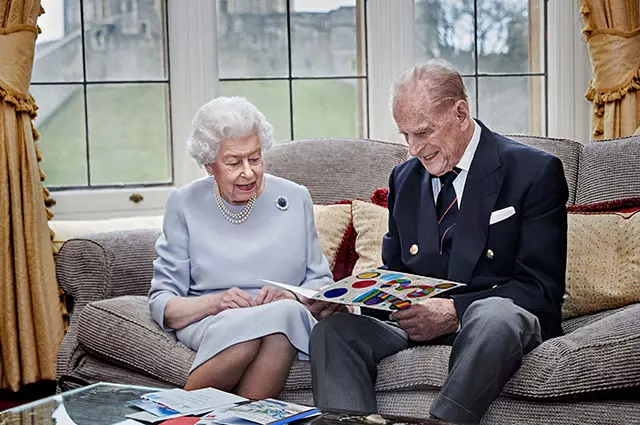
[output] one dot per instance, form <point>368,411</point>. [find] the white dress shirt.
<point>463,165</point>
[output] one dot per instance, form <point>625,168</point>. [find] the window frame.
<point>192,36</point>
<point>192,40</point>
<point>361,78</point>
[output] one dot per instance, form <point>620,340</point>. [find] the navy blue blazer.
<point>529,248</point>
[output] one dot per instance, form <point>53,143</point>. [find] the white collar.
<point>467,157</point>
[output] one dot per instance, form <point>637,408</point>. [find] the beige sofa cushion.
<point>370,223</point>
<point>603,262</point>
<point>331,224</point>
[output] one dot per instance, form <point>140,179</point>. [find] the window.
<point>302,63</point>
<point>101,81</point>
<point>117,98</point>
<point>499,46</point>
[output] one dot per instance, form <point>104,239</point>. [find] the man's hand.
<point>269,294</point>
<point>428,320</point>
<point>322,309</point>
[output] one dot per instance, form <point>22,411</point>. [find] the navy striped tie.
<point>447,212</point>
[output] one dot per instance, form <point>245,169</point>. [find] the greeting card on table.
<point>272,412</point>
<point>378,289</point>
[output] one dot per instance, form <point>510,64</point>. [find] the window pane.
<point>444,29</point>
<point>509,38</point>
<point>329,108</point>
<point>326,39</point>
<point>513,105</point>
<point>470,85</point>
<point>252,38</point>
<point>60,123</point>
<point>128,136</point>
<point>125,40</point>
<point>58,56</point>
<point>270,97</point>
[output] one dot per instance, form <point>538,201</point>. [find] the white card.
<point>305,292</point>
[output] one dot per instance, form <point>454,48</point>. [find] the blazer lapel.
<point>428,262</point>
<point>480,193</point>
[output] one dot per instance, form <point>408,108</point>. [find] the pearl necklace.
<point>235,218</point>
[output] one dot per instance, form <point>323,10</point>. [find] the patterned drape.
<point>31,326</point>
<point>612,30</point>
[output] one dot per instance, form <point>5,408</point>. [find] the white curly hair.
<point>226,118</point>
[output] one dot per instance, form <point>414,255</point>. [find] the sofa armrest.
<point>98,267</point>
<point>106,265</point>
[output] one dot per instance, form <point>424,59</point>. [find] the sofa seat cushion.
<point>597,356</point>
<point>121,330</point>
<point>601,355</point>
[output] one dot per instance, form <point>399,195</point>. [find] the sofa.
<point>591,375</point>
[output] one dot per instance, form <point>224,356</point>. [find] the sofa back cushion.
<point>336,169</point>
<point>609,169</point>
<point>568,151</point>
<point>370,222</point>
<point>603,262</point>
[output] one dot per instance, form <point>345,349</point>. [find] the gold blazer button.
<point>414,249</point>
<point>490,254</point>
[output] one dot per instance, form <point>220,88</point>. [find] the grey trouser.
<point>494,336</point>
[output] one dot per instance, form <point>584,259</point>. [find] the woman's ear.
<point>209,168</point>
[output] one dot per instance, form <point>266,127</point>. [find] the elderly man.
<point>472,206</point>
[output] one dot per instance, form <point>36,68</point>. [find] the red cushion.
<point>379,197</point>
<point>346,256</point>
<point>620,205</point>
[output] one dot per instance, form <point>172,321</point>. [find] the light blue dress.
<point>200,252</point>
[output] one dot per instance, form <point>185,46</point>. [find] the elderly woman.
<point>222,234</point>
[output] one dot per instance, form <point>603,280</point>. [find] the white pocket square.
<point>499,215</point>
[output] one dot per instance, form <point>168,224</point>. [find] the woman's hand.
<point>269,294</point>
<point>233,298</point>
<point>322,309</point>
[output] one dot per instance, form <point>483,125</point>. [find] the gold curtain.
<point>30,316</point>
<point>612,30</point>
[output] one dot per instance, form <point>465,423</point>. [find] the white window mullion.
<point>193,47</point>
<point>390,37</point>
<point>569,72</point>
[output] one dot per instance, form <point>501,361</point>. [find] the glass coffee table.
<point>97,404</point>
<point>106,404</point>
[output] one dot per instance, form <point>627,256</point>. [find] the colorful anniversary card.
<point>378,289</point>
<point>384,290</point>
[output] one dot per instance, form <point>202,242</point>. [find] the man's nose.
<point>415,146</point>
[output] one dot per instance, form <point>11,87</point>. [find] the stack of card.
<point>163,405</point>
<point>260,412</point>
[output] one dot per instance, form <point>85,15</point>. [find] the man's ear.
<point>461,108</point>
